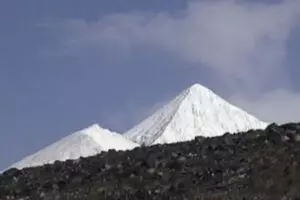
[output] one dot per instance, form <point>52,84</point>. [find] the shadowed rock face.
<point>258,164</point>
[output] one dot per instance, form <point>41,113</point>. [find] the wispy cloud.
<point>279,105</point>
<point>244,43</point>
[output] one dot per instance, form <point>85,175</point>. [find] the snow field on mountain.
<point>83,143</point>
<point>197,111</point>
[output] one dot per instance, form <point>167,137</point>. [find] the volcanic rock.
<point>257,164</point>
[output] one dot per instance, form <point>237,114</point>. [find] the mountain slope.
<point>86,142</point>
<point>197,111</point>
<point>253,165</point>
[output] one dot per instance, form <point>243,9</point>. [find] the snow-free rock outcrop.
<point>83,143</point>
<point>197,111</point>
<point>254,165</point>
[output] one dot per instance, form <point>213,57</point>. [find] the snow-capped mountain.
<point>197,111</point>
<point>85,142</point>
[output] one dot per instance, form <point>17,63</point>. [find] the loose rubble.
<point>258,164</point>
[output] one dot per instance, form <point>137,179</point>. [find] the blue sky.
<point>65,65</point>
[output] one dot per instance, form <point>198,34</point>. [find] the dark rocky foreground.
<point>258,164</point>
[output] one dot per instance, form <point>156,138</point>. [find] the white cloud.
<point>240,41</point>
<point>244,43</point>
<point>279,106</point>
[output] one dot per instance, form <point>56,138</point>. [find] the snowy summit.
<point>86,142</point>
<point>197,111</point>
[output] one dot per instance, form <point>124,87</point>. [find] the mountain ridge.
<point>260,164</point>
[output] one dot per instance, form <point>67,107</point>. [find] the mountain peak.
<point>196,87</point>
<point>197,111</point>
<point>198,92</point>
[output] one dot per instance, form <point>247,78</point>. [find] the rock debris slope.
<point>197,111</point>
<point>258,164</point>
<point>86,142</point>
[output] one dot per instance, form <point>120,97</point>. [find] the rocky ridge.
<point>257,164</point>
